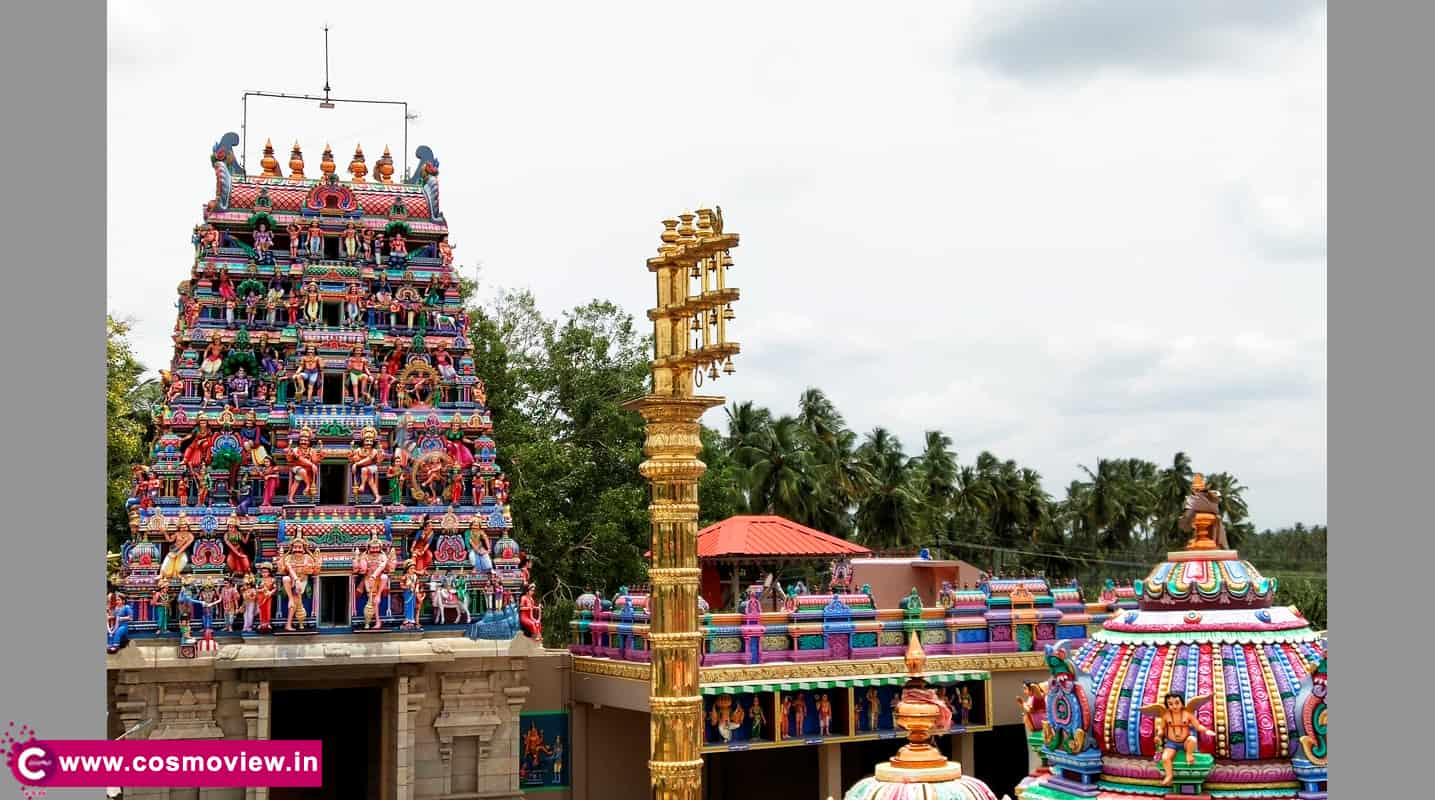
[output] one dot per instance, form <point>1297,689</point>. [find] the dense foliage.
<point>555,387</point>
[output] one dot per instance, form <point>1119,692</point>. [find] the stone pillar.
<point>410,695</point>
<point>829,770</point>
<point>964,749</point>
<point>255,705</point>
<point>578,752</point>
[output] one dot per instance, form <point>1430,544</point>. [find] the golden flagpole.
<point>694,305</point>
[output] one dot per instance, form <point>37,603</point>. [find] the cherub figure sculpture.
<point>1176,727</point>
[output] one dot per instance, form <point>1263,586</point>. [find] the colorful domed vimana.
<point>1209,689</point>
<point>323,460</point>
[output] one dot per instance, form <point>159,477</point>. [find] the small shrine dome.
<point>1208,643</point>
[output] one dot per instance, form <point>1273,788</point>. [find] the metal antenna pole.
<point>326,103</point>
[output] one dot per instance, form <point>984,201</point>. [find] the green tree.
<point>128,427</point>
<point>887,512</point>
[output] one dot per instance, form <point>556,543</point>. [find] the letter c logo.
<point>24,759</point>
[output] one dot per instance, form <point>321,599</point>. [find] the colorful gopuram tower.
<point>324,460</point>
<point>1207,662</point>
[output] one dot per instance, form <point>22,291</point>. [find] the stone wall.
<point>449,719</point>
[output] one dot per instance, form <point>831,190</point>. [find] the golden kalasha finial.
<point>685,229</point>
<point>326,162</point>
<point>1198,482</point>
<point>296,163</point>
<point>384,167</point>
<point>269,162</point>
<point>356,167</point>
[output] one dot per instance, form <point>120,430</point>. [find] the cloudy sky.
<point>1058,231</point>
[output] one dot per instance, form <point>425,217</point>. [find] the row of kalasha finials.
<point>358,170</point>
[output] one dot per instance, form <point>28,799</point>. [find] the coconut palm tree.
<point>779,475</point>
<point>887,511</point>
<point>934,483</point>
<point>1173,485</point>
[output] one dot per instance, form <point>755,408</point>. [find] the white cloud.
<point>932,242</point>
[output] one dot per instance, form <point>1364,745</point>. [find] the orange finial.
<point>269,162</point>
<point>384,168</point>
<point>326,162</point>
<point>357,167</point>
<point>296,163</point>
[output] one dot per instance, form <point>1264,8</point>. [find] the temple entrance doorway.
<point>333,484</point>
<point>348,722</point>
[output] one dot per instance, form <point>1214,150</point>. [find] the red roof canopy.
<point>770,536</point>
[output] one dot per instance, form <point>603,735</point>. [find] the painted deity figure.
<point>251,307</point>
<point>159,602</point>
<point>408,300</point>
<point>209,600</point>
<point>373,565</point>
<point>296,237</point>
<point>1033,705</point>
<point>265,597</point>
<point>316,241</point>
<point>184,607</point>
<point>357,377</point>
<point>364,462</point>
<point>378,248</point>
<point>873,709</point>
<point>236,541</point>
<point>368,245</point>
<point>118,615</point>
<point>413,597</point>
<point>443,362</point>
<point>757,719</point>
<point>824,715</point>
<point>297,565</point>
<point>240,385</point>
<point>273,301</point>
<point>1176,727</point>
<point>445,252</point>
<point>530,613</point>
<point>398,250</point>
<point>421,552</point>
<point>308,376</point>
<point>265,470</point>
<point>230,600</point>
<point>313,304</point>
<point>291,305</point>
<point>271,360</point>
<point>353,304</point>
<point>263,243</point>
<point>457,443</point>
<point>964,705</point>
<point>305,458</point>
<point>212,366</point>
<point>397,474</point>
<point>479,547</point>
<point>250,595</point>
<point>179,541</point>
<point>388,375</point>
<point>351,242</point>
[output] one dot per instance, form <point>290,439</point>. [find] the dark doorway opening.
<point>785,772</point>
<point>331,243</point>
<point>333,484</point>
<point>1001,758</point>
<point>333,390</point>
<point>348,722</point>
<point>332,312</point>
<point>334,601</point>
